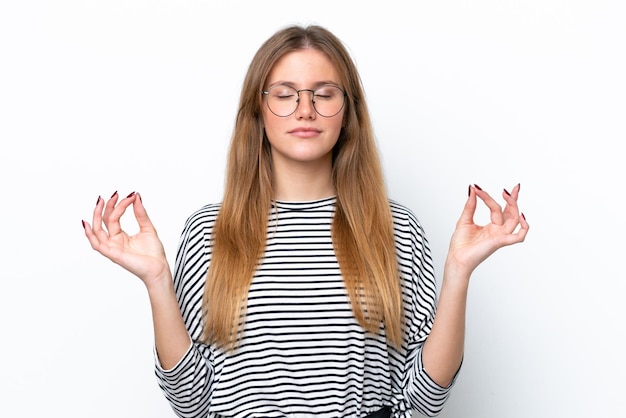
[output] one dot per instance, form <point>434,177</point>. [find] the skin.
<point>302,166</point>
<point>302,143</point>
<point>470,245</point>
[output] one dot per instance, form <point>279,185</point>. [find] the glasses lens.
<point>282,100</point>
<point>328,100</point>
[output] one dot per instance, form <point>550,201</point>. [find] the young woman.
<point>306,291</point>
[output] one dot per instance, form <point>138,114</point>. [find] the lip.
<point>305,132</point>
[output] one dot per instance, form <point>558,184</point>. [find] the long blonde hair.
<point>362,229</point>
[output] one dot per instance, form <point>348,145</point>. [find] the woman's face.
<point>304,137</point>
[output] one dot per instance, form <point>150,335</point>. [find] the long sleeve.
<point>188,385</point>
<point>420,392</point>
<point>301,342</point>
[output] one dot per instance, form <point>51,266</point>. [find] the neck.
<point>302,182</point>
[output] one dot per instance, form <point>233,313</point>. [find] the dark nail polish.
<point>478,187</point>
<point>130,195</point>
<point>98,201</point>
<point>83,223</point>
<point>523,216</point>
<point>469,189</point>
<point>113,195</point>
<point>507,192</point>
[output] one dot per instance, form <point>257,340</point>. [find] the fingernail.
<point>83,223</point>
<point>469,189</point>
<point>507,192</point>
<point>98,201</point>
<point>140,199</point>
<point>113,195</point>
<point>130,195</point>
<point>519,186</point>
<point>523,216</point>
<point>478,187</point>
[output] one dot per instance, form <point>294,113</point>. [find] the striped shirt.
<point>302,352</point>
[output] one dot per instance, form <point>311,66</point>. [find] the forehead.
<point>303,68</point>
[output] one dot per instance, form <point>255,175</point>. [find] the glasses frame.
<point>267,92</point>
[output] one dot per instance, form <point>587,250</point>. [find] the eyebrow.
<point>314,86</point>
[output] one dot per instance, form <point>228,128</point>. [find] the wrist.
<point>456,272</point>
<point>160,285</point>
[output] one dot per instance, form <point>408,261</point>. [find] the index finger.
<point>113,213</point>
<point>494,207</point>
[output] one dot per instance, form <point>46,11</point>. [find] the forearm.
<point>171,337</point>
<point>444,347</point>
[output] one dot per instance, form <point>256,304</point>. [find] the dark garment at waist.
<point>384,412</point>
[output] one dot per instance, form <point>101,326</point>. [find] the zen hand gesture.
<point>142,254</point>
<point>471,244</point>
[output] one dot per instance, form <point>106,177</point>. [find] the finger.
<point>97,217</point>
<point>96,234</point>
<point>524,227</point>
<point>145,224</point>
<point>511,211</point>
<point>113,213</point>
<point>91,237</point>
<point>108,208</point>
<point>494,207</point>
<point>467,216</point>
<point>511,197</point>
<point>520,235</point>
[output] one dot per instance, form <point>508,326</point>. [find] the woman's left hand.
<point>471,244</point>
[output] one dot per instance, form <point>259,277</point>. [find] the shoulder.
<point>402,214</point>
<point>405,223</point>
<point>202,218</point>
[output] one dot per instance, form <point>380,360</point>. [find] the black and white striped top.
<point>303,354</point>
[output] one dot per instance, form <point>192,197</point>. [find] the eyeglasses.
<point>282,100</point>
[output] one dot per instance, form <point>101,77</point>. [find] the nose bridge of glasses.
<point>309,90</point>
<point>302,106</point>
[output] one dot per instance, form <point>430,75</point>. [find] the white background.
<point>99,96</point>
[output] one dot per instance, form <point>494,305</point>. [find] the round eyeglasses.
<point>283,100</point>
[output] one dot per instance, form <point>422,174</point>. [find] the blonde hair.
<point>362,229</point>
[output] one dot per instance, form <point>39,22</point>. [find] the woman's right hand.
<point>141,254</point>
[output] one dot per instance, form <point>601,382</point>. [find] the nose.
<point>306,108</point>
